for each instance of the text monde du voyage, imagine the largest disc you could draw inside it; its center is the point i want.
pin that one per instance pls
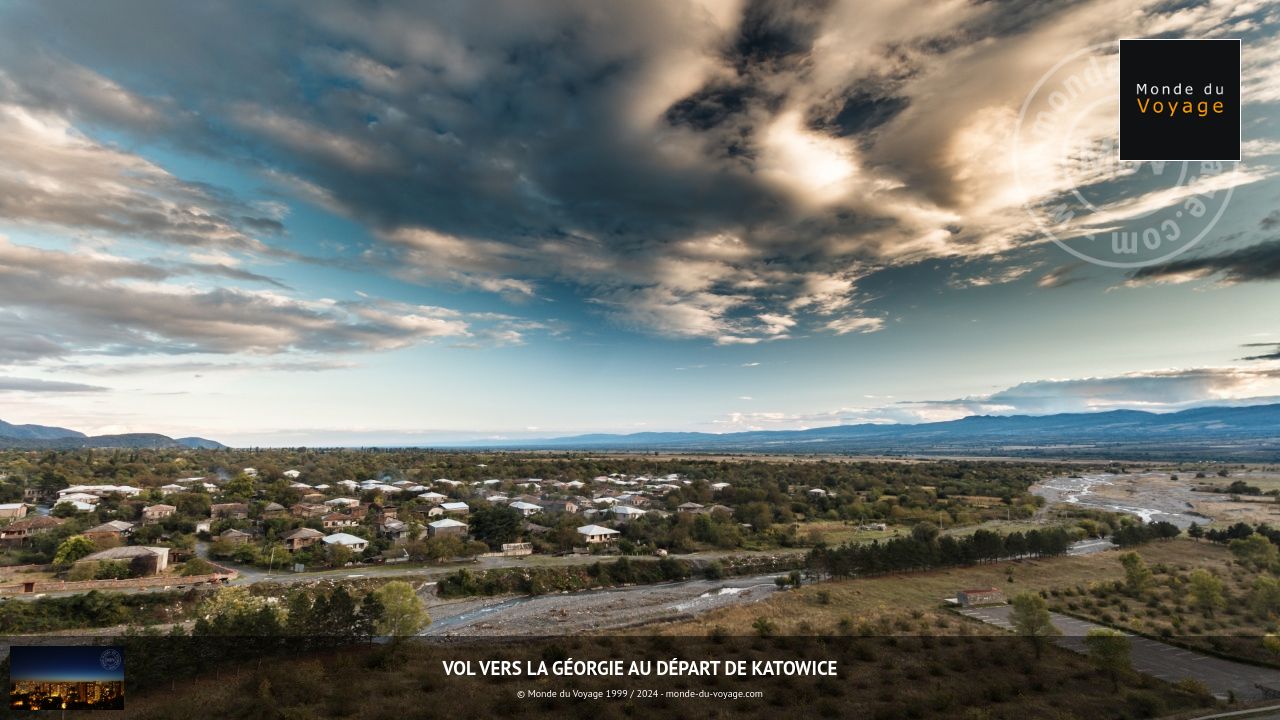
(1181, 99)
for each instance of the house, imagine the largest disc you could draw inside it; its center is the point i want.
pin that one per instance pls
(20, 530)
(229, 510)
(145, 560)
(626, 513)
(234, 537)
(100, 490)
(301, 538)
(596, 534)
(13, 510)
(689, 507)
(273, 510)
(455, 508)
(447, 526)
(561, 506)
(292, 474)
(114, 530)
(717, 487)
(980, 596)
(525, 508)
(152, 513)
(337, 520)
(356, 544)
(817, 492)
(171, 488)
(81, 498)
(394, 530)
(433, 497)
(342, 502)
(308, 510)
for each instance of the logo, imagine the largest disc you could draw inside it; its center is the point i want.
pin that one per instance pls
(111, 659)
(1097, 207)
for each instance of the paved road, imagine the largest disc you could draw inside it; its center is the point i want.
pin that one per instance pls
(1161, 660)
(1089, 547)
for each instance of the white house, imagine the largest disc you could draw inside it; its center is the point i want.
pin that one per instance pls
(357, 544)
(171, 488)
(455, 508)
(526, 508)
(433, 497)
(594, 534)
(626, 513)
(292, 474)
(342, 502)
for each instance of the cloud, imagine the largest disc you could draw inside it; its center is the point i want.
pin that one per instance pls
(33, 385)
(721, 170)
(53, 175)
(1156, 391)
(1272, 352)
(1257, 262)
(60, 303)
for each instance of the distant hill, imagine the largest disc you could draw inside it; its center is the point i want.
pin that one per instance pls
(41, 437)
(1240, 433)
(199, 443)
(36, 432)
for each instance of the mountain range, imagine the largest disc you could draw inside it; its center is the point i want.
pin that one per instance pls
(1241, 433)
(40, 437)
(1250, 433)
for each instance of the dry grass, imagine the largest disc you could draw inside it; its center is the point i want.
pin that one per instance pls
(822, 606)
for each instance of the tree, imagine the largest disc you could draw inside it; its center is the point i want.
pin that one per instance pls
(1195, 531)
(338, 554)
(1206, 591)
(925, 532)
(1109, 653)
(1137, 576)
(1271, 642)
(1265, 597)
(72, 549)
(1031, 619)
(403, 613)
(1255, 552)
(495, 525)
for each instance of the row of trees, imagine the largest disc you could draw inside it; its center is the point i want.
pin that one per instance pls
(924, 549)
(327, 617)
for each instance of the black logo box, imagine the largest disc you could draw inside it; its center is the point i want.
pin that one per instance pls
(1185, 67)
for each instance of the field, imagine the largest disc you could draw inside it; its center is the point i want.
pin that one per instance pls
(916, 599)
(1167, 609)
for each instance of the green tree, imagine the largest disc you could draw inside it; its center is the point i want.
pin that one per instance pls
(1255, 552)
(1109, 653)
(1271, 642)
(1031, 619)
(1264, 599)
(72, 549)
(403, 612)
(1137, 576)
(1206, 591)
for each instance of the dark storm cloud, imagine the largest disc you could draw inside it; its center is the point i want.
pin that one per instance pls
(1253, 263)
(1272, 351)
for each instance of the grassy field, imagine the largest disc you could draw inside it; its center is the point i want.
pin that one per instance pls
(916, 599)
(1167, 608)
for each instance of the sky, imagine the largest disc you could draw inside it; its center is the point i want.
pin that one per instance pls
(66, 662)
(326, 222)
